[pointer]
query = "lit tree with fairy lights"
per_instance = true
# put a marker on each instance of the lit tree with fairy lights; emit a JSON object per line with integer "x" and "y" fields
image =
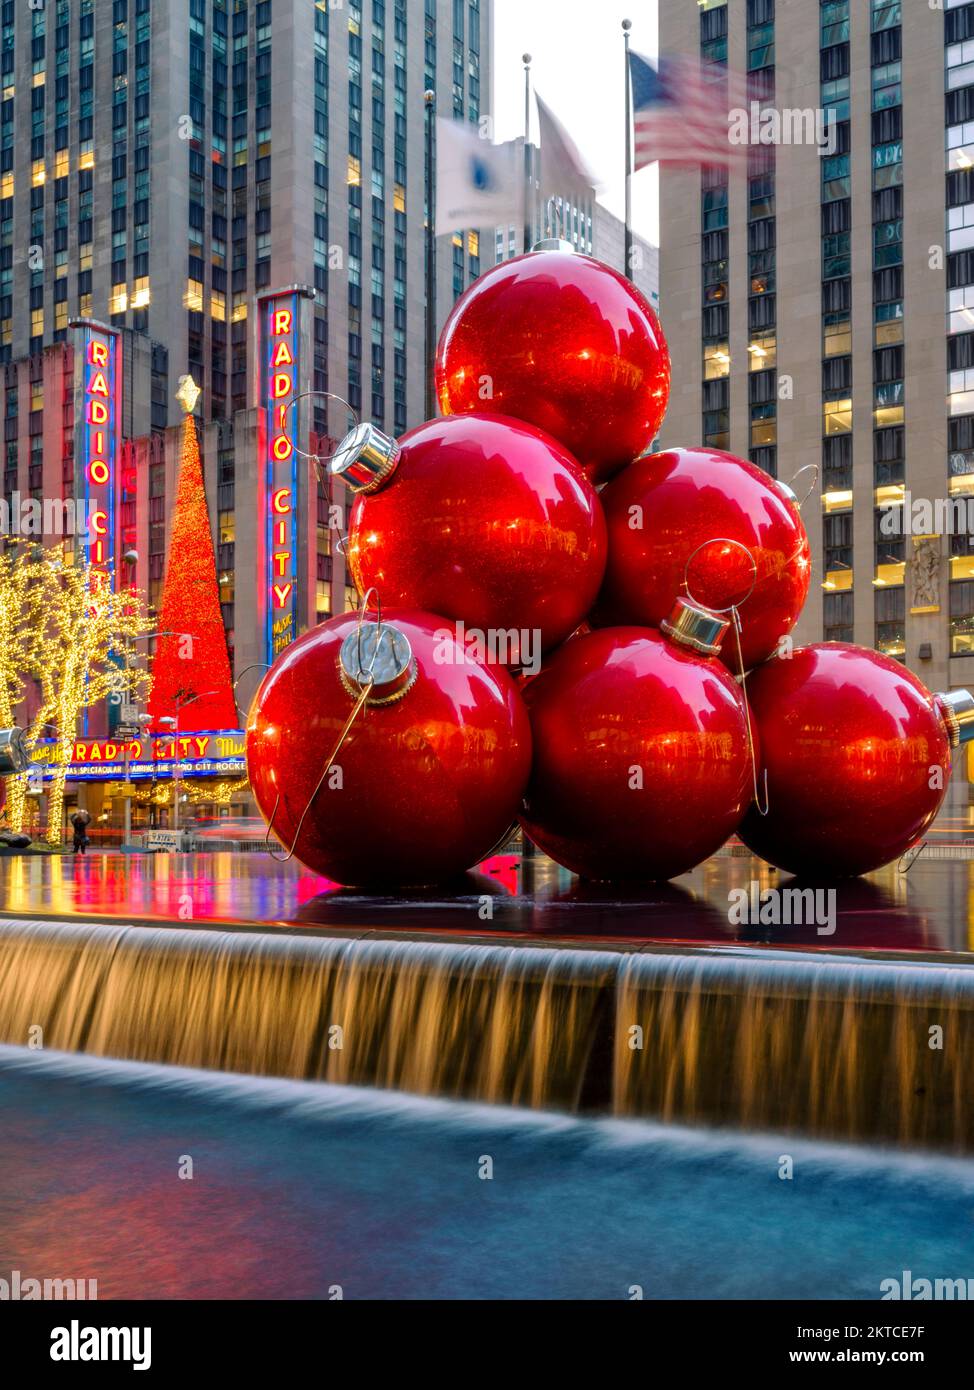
{"x": 80, "y": 651}
{"x": 21, "y": 654}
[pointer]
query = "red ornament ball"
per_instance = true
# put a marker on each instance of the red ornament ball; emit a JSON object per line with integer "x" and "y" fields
{"x": 432, "y": 771}
{"x": 566, "y": 343}
{"x": 857, "y": 754}
{"x": 487, "y": 521}
{"x": 669, "y": 515}
{"x": 641, "y": 761}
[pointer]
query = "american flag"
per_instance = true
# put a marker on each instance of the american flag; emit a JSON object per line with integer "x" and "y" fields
{"x": 680, "y": 112}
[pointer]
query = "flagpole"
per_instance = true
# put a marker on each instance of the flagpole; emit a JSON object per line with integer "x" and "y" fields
{"x": 429, "y": 98}
{"x": 627, "y": 267}
{"x": 528, "y": 219}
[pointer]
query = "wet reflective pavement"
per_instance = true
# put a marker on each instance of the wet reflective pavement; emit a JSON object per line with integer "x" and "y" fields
{"x": 929, "y": 909}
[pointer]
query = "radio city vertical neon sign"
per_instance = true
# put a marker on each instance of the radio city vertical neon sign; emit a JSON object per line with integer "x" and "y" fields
{"x": 98, "y": 393}
{"x": 279, "y": 355}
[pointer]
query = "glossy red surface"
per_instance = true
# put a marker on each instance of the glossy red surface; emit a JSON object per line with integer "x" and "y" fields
{"x": 850, "y": 740}
{"x": 688, "y": 498}
{"x": 429, "y": 783}
{"x": 485, "y": 520}
{"x": 566, "y": 343}
{"x": 624, "y": 699}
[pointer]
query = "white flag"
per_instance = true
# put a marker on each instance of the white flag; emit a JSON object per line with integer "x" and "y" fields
{"x": 563, "y": 167}
{"x": 477, "y": 183}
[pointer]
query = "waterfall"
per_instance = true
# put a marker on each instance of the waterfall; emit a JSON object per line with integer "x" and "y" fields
{"x": 829, "y": 1045}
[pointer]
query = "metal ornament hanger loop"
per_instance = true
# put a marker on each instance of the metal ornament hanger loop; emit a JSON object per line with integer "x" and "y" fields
{"x": 362, "y": 669}
{"x": 719, "y": 540}
{"x": 760, "y": 795}
{"x": 254, "y": 665}
{"x": 759, "y": 786}
{"x": 909, "y": 857}
{"x": 317, "y": 459}
{"x": 812, "y": 468}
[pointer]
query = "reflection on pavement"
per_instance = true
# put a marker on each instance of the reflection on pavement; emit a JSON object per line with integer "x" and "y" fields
{"x": 929, "y": 909}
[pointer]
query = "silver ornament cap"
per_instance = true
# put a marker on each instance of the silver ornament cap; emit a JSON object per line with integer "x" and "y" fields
{"x": 383, "y": 651}
{"x": 366, "y": 458}
{"x": 691, "y": 625}
{"x": 553, "y": 243}
{"x": 957, "y": 710}
{"x": 13, "y": 751}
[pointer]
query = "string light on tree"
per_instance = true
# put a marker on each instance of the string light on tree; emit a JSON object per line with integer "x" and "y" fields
{"x": 83, "y": 654}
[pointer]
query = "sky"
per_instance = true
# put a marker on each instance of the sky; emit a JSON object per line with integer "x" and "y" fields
{"x": 577, "y": 67}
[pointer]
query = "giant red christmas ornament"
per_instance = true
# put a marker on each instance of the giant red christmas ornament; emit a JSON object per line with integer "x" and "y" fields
{"x": 566, "y": 343}
{"x": 641, "y": 756}
{"x": 482, "y": 519}
{"x": 857, "y": 754}
{"x": 431, "y": 772}
{"x": 670, "y": 516}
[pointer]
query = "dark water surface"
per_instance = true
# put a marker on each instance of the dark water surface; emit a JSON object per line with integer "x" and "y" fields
{"x": 300, "y": 1189}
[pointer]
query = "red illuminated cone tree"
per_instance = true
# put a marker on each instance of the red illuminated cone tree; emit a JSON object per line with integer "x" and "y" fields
{"x": 191, "y": 679}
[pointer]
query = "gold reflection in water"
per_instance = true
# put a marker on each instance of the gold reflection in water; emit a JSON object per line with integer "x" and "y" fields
{"x": 824, "y": 1046}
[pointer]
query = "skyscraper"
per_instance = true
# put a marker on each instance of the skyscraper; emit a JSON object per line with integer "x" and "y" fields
{"x": 818, "y": 310}
{"x": 162, "y": 161}
{"x": 163, "y": 165}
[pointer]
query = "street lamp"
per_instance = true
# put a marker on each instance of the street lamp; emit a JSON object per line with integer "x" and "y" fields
{"x": 169, "y": 720}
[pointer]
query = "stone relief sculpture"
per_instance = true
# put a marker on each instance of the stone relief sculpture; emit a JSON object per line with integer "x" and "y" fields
{"x": 925, "y": 572}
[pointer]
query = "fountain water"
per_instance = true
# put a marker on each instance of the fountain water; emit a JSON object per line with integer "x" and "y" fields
{"x": 829, "y": 1045}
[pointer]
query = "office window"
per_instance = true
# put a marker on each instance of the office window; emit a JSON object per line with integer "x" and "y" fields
{"x": 716, "y": 361}
{"x": 889, "y": 324}
{"x": 760, "y": 47}
{"x": 835, "y": 99}
{"x": 764, "y": 426}
{"x": 886, "y": 14}
{"x": 960, "y": 65}
{"x": 837, "y": 335}
{"x": 890, "y": 617}
{"x": 960, "y": 392}
{"x": 763, "y": 350}
{"x": 837, "y": 416}
{"x": 322, "y": 599}
{"x": 886, "y": 79}
{"x": 960, "y": 227}
{"x": 837, "y": 540}
{"x": 888, "y": 165}
{"x": 716, "y": 428}
{"x": 838, "y": 617}
{"x": 714, "y": 209}
{"x": 836, "y": 256}
{"x": 714, "y": 282}
{"x": 962, "y": 617}
{"x": 835, "y": 23}
{"x": 835, "y": 178}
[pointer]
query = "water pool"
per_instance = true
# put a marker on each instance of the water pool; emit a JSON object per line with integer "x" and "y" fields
{"x": 306, "y": 1190}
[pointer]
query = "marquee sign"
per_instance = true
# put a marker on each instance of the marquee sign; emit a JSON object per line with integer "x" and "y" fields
{"x": 97, "y": 439}
{"x": 218, "y": 754}
{"x": 280, "y": 383}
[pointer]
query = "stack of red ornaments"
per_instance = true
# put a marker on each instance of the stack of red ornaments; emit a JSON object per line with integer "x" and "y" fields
{"x": 531, "y": 648}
